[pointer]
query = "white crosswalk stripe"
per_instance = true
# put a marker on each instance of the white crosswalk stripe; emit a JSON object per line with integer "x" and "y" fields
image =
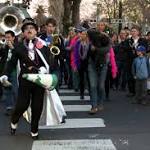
{"x": 70, "y": 91}
{"x": 72, "y": 98}
{"x": 69, "y": 108}
{"x": 79, "y": 123}
{"x": 74, "y": 145}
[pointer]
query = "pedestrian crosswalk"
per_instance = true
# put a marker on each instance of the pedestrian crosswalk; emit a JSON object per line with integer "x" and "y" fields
{"x": 72, "y": 104}
{"x": 83, "y": 144}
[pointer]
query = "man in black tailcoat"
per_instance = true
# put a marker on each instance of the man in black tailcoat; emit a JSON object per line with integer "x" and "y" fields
{"x": 33, "y": 56}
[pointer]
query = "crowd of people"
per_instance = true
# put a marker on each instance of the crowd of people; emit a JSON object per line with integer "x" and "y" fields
{"x": 88, "y": 58}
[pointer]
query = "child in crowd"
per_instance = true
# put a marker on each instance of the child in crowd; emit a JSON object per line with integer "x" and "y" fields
{"x": 140, "y": 70}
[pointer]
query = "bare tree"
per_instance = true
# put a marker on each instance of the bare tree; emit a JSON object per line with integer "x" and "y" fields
{"x": 40, "y": 18}
{"x": 137, "y": 10}
{"x": 71, "y": 13}
{"x": 76, "y": 12}
{"x": 56, "y": 10}
{"x": 67, "y": 15}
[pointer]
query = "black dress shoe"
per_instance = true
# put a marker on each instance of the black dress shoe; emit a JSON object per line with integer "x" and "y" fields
{"x": 12, "y": 131}
{"x": 64, "y": 119}
{"x": 82, "y": 97}
{"x": 35, "y": 137}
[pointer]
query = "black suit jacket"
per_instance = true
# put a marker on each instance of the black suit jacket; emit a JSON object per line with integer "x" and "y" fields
{"x": 130, "y": 50}
{"x": 21, "y": 53}
{"x": 3, "y": 58}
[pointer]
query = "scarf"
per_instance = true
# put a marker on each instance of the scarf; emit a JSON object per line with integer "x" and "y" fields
{"x": 83, "y": 50}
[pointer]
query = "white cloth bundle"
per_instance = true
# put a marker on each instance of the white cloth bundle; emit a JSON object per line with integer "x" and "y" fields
{"x": 53, "y": 111}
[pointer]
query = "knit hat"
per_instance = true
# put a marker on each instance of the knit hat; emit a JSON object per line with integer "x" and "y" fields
{"x": 141, "y": 48}
{"x": 80, "y": 29}
{"x": 29, "y": 21}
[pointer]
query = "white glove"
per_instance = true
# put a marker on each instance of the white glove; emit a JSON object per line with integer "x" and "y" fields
{"x": 42, "y": 70}
{"x": 4, "y": 81}
{"x": 3, "y": 78}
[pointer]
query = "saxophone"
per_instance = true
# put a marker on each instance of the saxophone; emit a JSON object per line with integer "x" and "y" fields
{"x": 54, "y": 49}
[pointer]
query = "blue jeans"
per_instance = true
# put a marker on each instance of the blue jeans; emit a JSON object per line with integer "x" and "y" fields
{"x": 10, "y": 93}
{"x": 97, "y": 83}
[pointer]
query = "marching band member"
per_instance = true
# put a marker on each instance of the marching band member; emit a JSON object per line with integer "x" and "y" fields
{"x": 34, "y": 58}
{"x": 9, "y": 92}
{"x": 51, "y": 38}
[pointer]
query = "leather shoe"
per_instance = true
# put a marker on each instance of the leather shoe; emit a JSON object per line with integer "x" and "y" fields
{"x": 35, "y": 137}
{"x": 12, "y": 131}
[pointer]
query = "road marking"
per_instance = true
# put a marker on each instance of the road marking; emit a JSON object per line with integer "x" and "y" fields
{"x": 78, "y": 123}
{"x": 72, "y": 98}
{"x": 63, "y": 86}
{"x": 70, "y": 91}
{"x": 67, "y": 91}
{"x": 85, "y": 144}
{"x": 73, "y": 108}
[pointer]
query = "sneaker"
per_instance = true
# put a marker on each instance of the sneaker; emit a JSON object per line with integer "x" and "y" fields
{"x": 93, "y": 110}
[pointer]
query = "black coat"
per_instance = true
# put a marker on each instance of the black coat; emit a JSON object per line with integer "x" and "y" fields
{"x": 21, "y": 53}
{"x": 3, "y": 58}
{"x": 130, "y": 50}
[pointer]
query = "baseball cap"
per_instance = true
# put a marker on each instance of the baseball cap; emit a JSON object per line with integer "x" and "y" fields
{"x": 141, "y": 48}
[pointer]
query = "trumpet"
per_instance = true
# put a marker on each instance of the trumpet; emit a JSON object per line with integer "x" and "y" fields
{"x": 54, "y": 49}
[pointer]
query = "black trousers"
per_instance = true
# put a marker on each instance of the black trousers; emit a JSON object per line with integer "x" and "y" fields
{"x": 108, "y": 82}
{"x": 83, "y": 74}
{"x": 29, "y": 92}
{"x": 131, "y": 82}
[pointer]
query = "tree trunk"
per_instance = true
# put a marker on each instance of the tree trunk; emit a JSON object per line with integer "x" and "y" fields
{"x": 40, "y": 19}
{"x": 120, "y": 16}
{"x": 76, "y": 12}
{"x": 67, "y": 15}
{"x": 56, "y": 10}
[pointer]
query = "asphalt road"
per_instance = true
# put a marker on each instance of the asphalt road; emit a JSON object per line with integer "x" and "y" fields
{"x": 127, "y": 126}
